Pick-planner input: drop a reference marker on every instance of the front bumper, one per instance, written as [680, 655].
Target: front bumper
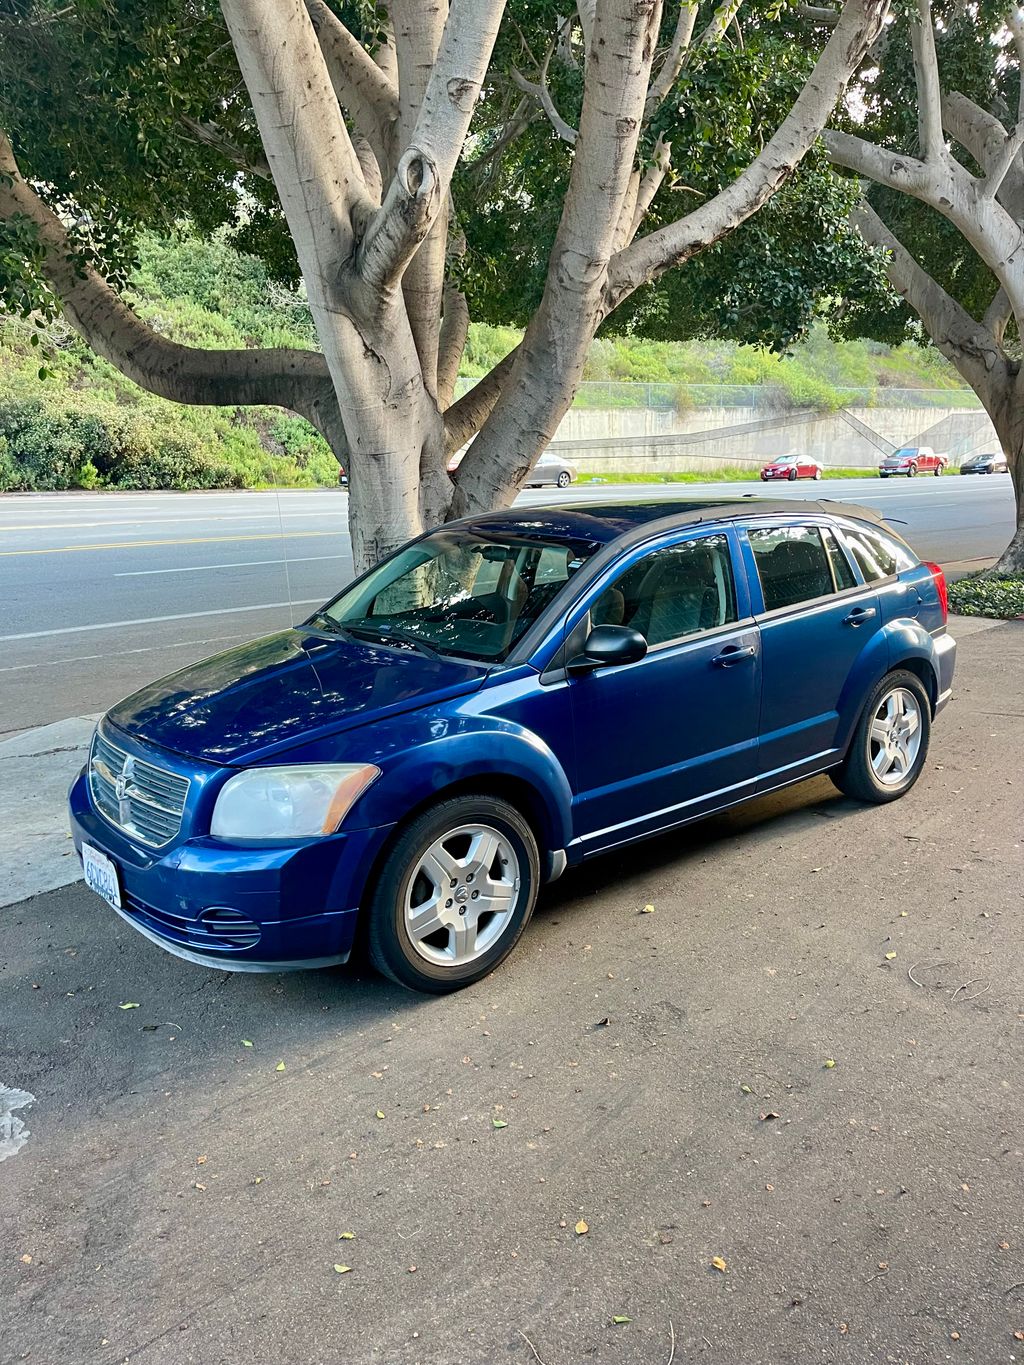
[238, 908]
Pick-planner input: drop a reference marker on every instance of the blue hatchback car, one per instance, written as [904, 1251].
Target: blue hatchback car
[502, 698]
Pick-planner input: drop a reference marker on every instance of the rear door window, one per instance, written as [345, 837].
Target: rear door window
[792, 565]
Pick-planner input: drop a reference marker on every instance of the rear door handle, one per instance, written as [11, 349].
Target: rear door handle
[734, 654]
[859, 615]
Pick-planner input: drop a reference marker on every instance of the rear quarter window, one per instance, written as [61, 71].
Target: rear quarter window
[877, 555]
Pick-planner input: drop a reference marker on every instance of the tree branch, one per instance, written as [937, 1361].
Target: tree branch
[971, 346]
[317, 174]
[419, 189]
[360, 85]
[885, 167]
[926, 76]
[1003, 163]
[649, 257]
[538, 91]
[668, 74]
[998, 314]
[651, 184]
[720, 21]
[295, 379]
[467, 414]
[211, 135]
[454, 331]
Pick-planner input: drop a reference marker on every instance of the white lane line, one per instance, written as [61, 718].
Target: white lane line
[124, 653]
[154, 521]
[155, 620]
[239, 564]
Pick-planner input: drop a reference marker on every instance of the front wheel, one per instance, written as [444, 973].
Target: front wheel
[792, 476]
[457, 890]
[912, 472]
[890, 743]
[564, 479]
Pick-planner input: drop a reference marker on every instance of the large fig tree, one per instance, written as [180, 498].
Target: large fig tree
[939, 144]
[369, 151]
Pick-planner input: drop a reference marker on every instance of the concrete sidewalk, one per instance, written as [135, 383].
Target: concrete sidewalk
[36, 769]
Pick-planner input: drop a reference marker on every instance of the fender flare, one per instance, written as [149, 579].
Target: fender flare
[492, 749]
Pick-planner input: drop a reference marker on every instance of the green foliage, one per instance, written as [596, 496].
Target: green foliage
[978, 595]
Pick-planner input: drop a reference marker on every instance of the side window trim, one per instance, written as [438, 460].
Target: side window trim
[859, 581]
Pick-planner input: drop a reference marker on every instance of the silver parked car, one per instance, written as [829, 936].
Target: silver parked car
[551, 471]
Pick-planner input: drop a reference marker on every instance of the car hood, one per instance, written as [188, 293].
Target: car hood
[267, 696]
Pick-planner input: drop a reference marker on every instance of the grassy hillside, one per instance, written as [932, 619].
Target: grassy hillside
[68, 419]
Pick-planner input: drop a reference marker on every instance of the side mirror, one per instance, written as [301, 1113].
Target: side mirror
[607, 645]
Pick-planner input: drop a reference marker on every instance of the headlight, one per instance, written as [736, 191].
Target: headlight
[297, 802]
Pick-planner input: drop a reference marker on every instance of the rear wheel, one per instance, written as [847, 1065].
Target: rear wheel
[456, 892]
[890, 743]
[938, 470]
[817, 473]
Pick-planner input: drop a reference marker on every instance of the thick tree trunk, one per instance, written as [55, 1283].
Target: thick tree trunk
[1006, 409]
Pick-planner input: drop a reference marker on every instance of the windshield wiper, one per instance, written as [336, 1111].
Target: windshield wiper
[386, 633]
[322, 621]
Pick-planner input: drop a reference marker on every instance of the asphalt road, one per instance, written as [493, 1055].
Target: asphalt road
[181, 1197]
[102, 592]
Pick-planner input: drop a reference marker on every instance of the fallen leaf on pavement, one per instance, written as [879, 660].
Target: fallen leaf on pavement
[768, 1116]
[581, 1228]
[346, 1236]
[342, 1269]
[380, 1113]
[246, 1043]
[647, 910]
[719, 1263]
[499, 1123]
[746, 1090]
[279, 1067]
[26, 1259]
[129, 1005]
[829, 1063]
[620, 1318]
[889, 957]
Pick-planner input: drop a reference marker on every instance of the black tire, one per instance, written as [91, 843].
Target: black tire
[856, 777]
[391, 947]
[564, 479]
[912, 472]
[792, 476]
[881, 475]
[938, 470]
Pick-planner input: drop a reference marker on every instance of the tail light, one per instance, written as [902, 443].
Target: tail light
[941, 588]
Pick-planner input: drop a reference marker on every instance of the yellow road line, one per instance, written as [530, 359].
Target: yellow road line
[136, 544]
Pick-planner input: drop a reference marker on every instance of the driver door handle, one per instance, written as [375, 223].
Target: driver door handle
[859, 615]
[734, 654]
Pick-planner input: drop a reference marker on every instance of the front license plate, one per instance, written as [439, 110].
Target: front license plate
[101, 875]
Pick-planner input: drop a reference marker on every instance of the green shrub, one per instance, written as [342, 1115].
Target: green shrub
[980, 595]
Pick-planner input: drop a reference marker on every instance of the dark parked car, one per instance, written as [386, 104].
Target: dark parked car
[502, 698]
[989, 463]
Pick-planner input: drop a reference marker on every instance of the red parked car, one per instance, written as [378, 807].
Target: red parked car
[792, 467]
[912, 460]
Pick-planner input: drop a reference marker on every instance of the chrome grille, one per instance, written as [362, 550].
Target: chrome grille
[145, 801]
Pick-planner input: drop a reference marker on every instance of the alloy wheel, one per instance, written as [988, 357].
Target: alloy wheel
[462, 895]
[894, 738]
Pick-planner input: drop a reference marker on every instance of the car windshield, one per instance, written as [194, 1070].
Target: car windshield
[457, 592]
